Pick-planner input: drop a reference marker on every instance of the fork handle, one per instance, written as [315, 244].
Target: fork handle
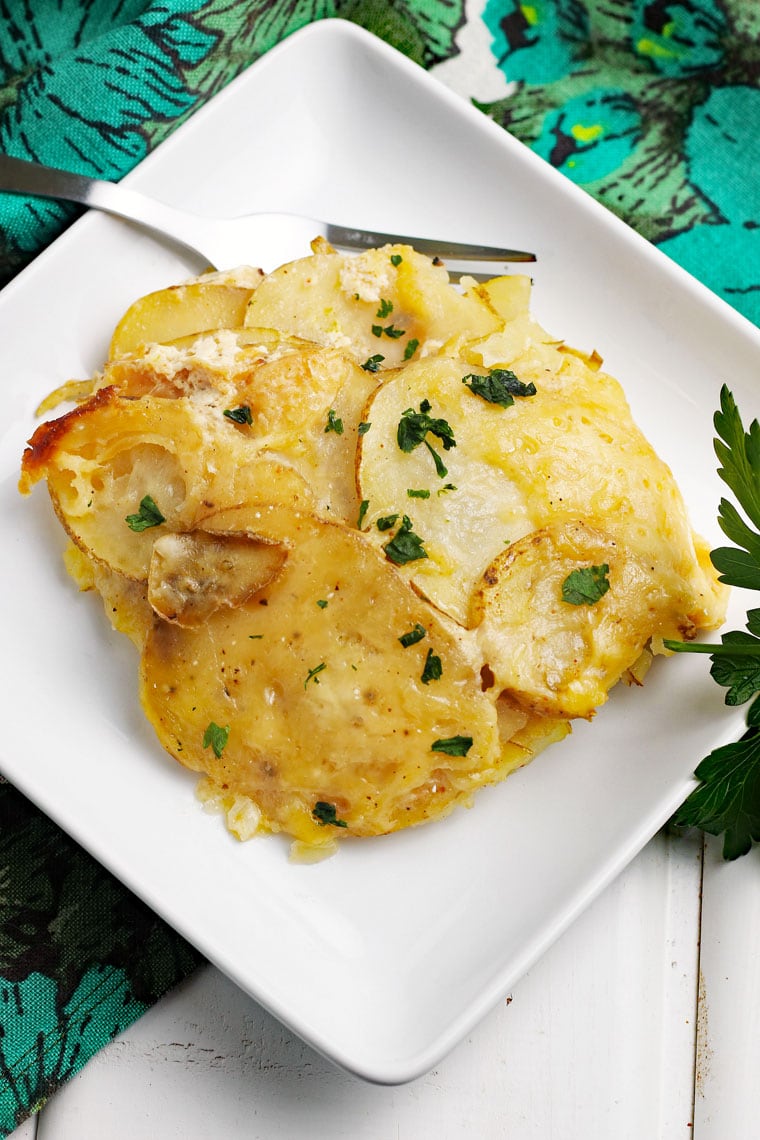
[17, 176]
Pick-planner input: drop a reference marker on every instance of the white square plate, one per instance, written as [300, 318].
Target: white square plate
[386, 955]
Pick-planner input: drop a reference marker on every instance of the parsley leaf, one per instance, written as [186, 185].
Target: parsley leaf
[396, 259]
[433, 669]
[334, 423]
[363, 508]
[585, 586]
[405, 546]
[386, 522]
[452, 745]
[411, 347]
[325, 813]
[389, 330]
[216, 738]
[414, 426]
[239, 415]
[415, 634]
[386, 308]
[374, 362]
[364, 427]
[500, 386]
[147, 516]
[420, 493]
[727, 800]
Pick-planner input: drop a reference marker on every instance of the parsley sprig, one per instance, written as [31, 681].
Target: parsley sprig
[727, 800]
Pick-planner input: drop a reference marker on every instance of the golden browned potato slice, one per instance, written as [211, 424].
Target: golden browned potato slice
[177, 312]
[564, 612]
[321, 712]
[295, 399]
[121, 472]
[569, 451]
[390, 303]
[306, 407]
[193, 575]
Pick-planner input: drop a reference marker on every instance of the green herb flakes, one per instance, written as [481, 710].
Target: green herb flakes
[326, 814]
[433, 670]
[363, 508]
[147, 516]
[421, 493]
[415, 634]
[500, 386]
[585, 586]
[216, 738]
[374, 362]
[239, 415]
[452, 745]
[313, 674]
[334, 423]
[411, 347]
[396, 259]
[405, 546]
[385, 310]
[386, 522]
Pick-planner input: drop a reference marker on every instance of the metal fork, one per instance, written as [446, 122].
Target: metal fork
[265, 240]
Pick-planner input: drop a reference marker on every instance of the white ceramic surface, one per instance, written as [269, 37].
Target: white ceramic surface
[385, 956]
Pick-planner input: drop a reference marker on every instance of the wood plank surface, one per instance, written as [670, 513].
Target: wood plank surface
[597, 1040]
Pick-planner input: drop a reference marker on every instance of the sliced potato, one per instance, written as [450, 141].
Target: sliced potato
[466, 515]
[570, 451]
[323, 702]
[104, 458]
[559, 658]
[193, 575]
[369, 306]
[179, 311]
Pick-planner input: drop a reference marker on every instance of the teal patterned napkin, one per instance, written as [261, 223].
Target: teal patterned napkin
[652, 106]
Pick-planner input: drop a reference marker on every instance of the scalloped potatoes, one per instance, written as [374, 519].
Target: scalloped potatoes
[377, 539]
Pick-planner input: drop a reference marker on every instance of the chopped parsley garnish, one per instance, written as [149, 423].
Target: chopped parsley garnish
[334, 423]
[411, 347]
[446, 487]
[216, 738]
[255, 636]
[585, 586]
[239, 415]
[385, 310]
[312, 675]
[364, 427]
[414, 427]
[415, 634]
[389, 330]
[405, 546]
[374, 362]
[147, 516]
[396, 259]
[727, 800]
[386, 522]
[453, 745]
[322, 604]
[363, 508]
[433, 670]
[325, 813]
[500, 386]
[422, 493]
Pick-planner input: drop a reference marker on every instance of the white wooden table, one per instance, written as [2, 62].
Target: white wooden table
[639, 1024]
